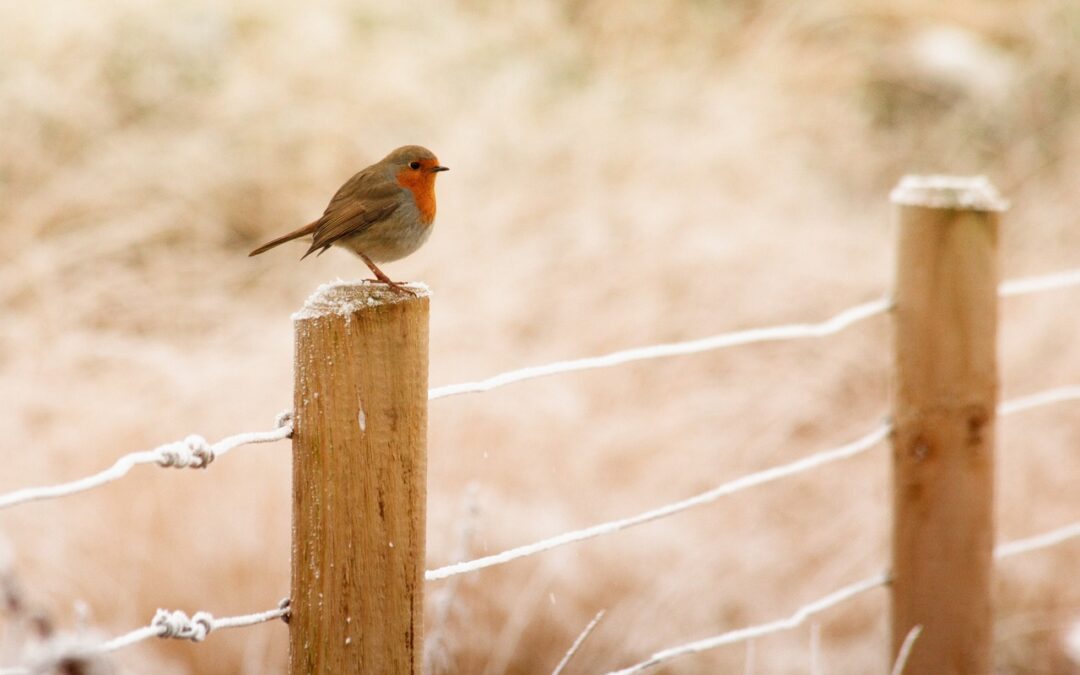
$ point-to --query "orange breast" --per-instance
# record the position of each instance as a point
(422, 186)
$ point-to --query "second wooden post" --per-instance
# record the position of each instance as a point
(359, 481)
(945, 396)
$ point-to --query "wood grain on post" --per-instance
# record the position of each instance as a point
(359, 481)
(945, 396)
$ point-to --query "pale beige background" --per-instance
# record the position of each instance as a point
(622, 174)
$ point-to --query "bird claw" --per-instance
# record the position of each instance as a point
(401, 289)
(396, 287)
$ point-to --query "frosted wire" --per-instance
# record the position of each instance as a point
(1058, 395)
(1045, 282)
(750, 480)
(147, 632)
(851, 449)
(1019, 546)
(802, 614)
(836, 324)
(127, 462)
(1040, 541)
(802, 330)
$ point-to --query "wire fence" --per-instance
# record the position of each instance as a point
(196, 452)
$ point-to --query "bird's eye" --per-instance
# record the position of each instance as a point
(414, 165)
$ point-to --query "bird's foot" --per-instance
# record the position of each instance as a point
(395, 286)
(381, 276)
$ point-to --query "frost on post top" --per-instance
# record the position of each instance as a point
(346, 297)
(948, 192)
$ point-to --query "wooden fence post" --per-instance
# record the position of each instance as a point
(359, 481)
(945, 396)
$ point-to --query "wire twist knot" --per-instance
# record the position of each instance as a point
(285, 419)
(194, 451)
(177, 625)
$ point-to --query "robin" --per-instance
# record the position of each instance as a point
(381, 214)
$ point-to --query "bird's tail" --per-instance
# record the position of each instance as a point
(296, 234)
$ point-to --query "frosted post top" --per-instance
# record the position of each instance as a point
(948, 192)
(345, 297)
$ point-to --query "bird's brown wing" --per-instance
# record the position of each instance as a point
(365, 199)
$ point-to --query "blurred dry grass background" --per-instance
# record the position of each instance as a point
(622, 173)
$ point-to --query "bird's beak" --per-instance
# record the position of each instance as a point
(436, 169)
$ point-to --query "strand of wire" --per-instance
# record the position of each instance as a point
(802, 614)
(1039, 399)
(166, 624)
(837, 597)
(848, 450)
(1040, 283)
(845, 451)
(1039, 541)
(835, 324)
(192, 452)
(830, 326)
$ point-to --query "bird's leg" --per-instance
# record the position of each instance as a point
(385, 279)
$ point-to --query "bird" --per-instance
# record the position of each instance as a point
(383, 213)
